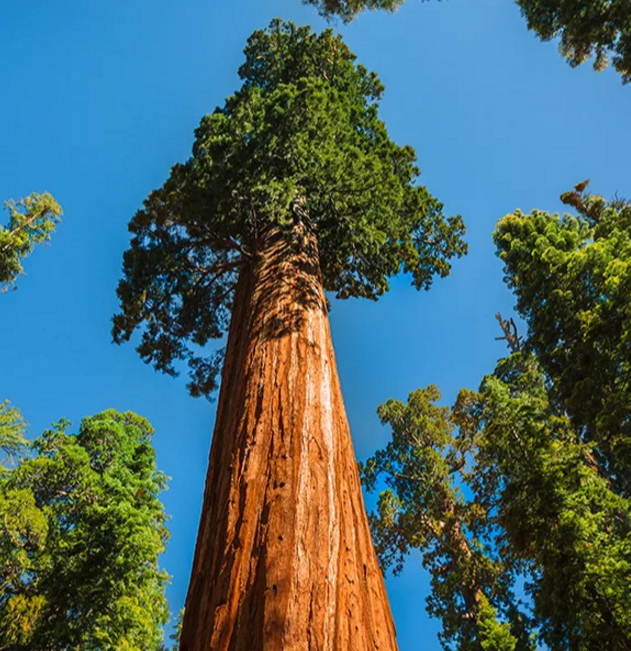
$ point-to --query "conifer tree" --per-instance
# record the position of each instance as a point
(542, 448)
(294, 188)
(81, 527)
(535, 506)
(571, 275)
(422, 505)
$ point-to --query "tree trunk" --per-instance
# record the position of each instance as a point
(284, 557)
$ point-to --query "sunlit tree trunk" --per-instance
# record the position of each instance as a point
(284, 557)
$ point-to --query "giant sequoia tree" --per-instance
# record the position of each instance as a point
(593, 28)
(294, 188)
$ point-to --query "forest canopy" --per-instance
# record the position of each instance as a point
(32, 220)
(527, 477)
(81, 528)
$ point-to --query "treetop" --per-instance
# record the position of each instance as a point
(300, 142)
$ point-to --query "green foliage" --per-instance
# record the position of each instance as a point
(545, 446)
(572, 279)
(81, 528)
(537, 506)
(597, 28)
(177, 633)
(299, 143)
(494, 635)
(559, 518)
(31, 221)
(348, 9)
(593, 28)
(12, 428)
(423, 507)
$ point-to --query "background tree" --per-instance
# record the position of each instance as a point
(542, 447)
(80, 534)
(423, 507)
(538, 508)
(590, 29)
(572, 279)
(348, 9)
(31, 221)
(294, 187)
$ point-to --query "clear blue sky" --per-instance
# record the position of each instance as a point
(99, 98)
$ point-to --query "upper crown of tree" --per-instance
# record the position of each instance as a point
(300, 143)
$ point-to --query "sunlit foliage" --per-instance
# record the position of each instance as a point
(81, 527)
(31, 221)
(597, 28)
(528, 477)
(572, 279)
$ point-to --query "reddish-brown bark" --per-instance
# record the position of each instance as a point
(284, 556)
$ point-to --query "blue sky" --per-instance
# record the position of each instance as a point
(100, 98)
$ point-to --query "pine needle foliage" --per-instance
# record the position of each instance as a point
(81, 528)
(425, 468)
(507, 490)
(299, 142)
(528, 477)
(598, 29)
(571, 275)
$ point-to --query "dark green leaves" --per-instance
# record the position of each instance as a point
(348, 9)
(301, 141)
(593, 28)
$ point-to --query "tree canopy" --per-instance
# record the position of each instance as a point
(528, 477)
(590, 29)
(572, 279)
(423, 506)
(81, 527)
(31, 221)
(301, 141)
(513, 493)
(348, 9)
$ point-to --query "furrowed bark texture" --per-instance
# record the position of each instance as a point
(284, 556)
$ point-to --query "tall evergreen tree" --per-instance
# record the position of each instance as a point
(535, 506)
(572, 279)
(294, 188)
(81, 528)
(423, 471)
(559, 519)
(542, 447)
(587, 29)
